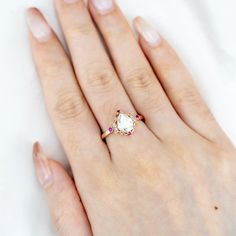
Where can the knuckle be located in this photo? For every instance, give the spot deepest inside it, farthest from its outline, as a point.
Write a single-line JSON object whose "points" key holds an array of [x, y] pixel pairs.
{"points": [[102, 81], [69, 106], [120, 31], [155, 104], [53, 67], [140, 78], [143, 80], [189, 96], [219, 154], [74, 145], [207, 114], [60, 221], [80, 29], [172, 61]]}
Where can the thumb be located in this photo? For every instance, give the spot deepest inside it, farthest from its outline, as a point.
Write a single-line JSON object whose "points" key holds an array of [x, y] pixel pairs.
{"points": [[65, 206]]}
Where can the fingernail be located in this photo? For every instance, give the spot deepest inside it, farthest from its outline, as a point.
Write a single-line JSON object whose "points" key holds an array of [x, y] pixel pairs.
{"points": [[42, 167], [147, 32], [70, 1], [38, 25], [103, 6]]}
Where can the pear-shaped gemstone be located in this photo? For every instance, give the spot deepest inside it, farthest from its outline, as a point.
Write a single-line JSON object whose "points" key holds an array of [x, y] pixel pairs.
{"points": [[125, 123]]}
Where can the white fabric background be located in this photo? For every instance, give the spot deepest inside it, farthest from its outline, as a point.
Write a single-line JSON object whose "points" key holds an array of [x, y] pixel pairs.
{"points": [[202, 31]]}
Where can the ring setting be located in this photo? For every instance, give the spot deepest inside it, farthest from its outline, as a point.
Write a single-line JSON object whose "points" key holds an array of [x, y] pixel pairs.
{"points": [[124, 124]]}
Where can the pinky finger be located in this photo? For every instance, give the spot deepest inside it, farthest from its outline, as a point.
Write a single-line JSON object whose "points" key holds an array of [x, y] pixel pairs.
{"points": [[65, 206]]}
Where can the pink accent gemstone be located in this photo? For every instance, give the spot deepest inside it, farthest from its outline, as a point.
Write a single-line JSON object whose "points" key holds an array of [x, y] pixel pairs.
{"points": [[110, 130], [137, 116], [129, 133]]}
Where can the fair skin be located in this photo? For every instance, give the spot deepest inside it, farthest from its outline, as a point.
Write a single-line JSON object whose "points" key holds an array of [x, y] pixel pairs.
{"points": [[175, 175]]}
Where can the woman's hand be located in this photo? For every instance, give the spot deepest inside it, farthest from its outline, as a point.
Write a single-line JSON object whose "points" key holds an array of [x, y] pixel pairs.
{"points": [[175, 175]]}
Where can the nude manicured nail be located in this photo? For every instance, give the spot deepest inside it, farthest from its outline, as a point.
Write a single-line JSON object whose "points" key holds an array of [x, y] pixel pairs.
{"points": [[70, 1], [147, 32], [38, 25], [103, 6], [42, 167]]}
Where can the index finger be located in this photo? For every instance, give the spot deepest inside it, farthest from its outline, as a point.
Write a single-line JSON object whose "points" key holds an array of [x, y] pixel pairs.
{"points": [[68, 108]]}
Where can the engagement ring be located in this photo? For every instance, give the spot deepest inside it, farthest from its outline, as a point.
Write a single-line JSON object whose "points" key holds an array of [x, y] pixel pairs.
{"points": [[124, 124]]}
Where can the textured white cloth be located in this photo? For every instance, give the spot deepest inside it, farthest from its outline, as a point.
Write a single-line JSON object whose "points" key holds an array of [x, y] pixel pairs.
{"points": [[202, 31]]}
